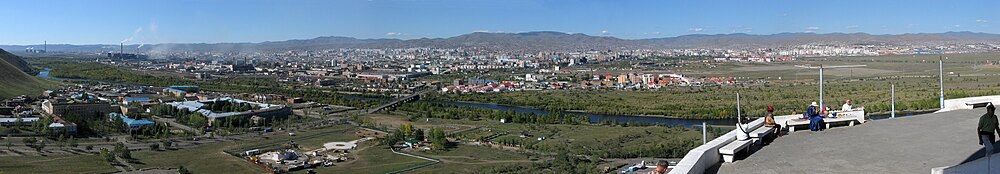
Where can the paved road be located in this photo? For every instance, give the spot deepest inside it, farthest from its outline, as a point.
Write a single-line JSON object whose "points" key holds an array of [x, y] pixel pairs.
{"points": [[174, 124], [913, 144]]}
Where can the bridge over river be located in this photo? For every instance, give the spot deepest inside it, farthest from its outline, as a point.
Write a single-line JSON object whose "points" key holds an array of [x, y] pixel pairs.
{"points": [[398, 101]]}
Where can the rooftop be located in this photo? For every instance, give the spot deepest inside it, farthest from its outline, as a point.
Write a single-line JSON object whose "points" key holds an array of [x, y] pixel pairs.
{"points": [[130, 121], [913, 144], [199, 106]]}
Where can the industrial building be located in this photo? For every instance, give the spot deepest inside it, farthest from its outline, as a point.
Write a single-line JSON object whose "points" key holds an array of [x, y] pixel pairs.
{"points": [[130, 124], [266, 111], [78, 108]]}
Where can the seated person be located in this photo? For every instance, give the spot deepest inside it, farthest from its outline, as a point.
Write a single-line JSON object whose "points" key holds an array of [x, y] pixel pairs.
{"points": [[769, 120], [847, 106]]}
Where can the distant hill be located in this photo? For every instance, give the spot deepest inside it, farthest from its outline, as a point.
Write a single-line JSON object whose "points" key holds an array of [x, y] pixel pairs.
{"points": [[555, 41], [15, 81]]}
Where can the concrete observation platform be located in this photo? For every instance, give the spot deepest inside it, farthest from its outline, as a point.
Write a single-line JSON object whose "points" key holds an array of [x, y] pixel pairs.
{"points": [[913, 144]]}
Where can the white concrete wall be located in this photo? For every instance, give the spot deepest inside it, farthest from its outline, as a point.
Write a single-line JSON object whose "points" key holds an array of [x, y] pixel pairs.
{"points": [[707, 155], [960, 103], [981, 165]]}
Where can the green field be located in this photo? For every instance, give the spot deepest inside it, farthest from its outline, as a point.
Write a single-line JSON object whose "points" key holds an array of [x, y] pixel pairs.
{"points": [[790, 88], [54, 164], [470, 159], [213, 158], [373, 159], [596, 140]]}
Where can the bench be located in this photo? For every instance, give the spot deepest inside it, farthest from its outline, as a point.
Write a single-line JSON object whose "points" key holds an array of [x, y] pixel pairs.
{"points": [[828, 121], [729, 151], [791, 124], [763, 132], [847, 116], [978, 104]]}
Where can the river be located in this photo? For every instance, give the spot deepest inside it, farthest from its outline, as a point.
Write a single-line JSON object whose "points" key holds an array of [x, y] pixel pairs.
{"points": [[45, 74]]}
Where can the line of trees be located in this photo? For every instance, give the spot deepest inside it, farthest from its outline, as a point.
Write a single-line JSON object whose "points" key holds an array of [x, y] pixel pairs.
{"points": [[447, 111]]}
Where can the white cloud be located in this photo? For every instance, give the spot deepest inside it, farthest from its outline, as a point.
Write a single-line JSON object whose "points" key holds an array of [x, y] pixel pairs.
{"points": [[393, 34], [956, 25], [811, 29], [652, 33], [481, 31], [748, 30], [699, 29], [851, 26], [982, 21], [605, 32]]}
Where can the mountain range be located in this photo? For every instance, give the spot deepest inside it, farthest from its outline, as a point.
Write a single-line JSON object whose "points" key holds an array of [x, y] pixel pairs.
{"points": [[549, 40]]}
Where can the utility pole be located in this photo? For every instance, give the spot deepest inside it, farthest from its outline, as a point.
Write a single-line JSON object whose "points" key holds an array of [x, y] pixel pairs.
{"points": [[738, 115], [941, 76], [704, 133], [893, 109], [821, 86]]}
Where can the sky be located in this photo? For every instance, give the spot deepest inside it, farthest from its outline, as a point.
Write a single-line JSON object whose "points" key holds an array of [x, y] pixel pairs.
{"points": [[214, 21]]}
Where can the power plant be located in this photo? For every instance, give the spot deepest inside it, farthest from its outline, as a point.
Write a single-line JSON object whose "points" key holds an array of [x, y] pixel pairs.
{"points": [[45, 48], [121, 55]]}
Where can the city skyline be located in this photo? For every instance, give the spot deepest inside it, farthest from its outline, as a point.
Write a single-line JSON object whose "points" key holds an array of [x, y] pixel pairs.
{"points": [[258, 21]]}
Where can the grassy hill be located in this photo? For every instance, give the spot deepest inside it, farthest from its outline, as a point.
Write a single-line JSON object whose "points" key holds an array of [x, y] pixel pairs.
{"points": [[15, 80], [17, 62]]}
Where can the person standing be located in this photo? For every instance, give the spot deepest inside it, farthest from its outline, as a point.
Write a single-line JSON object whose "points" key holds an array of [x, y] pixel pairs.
{"points": [[988, 126]]}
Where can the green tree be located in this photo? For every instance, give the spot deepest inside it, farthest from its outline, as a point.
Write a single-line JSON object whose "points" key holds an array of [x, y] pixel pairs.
{"points": [[418, 135], [438, 139], [107, 155], [29, 141], [122, 151], [154, 146], [166, 144], [182, 170], [407, 129], [8, 143], [39, 146], [73, 143]]}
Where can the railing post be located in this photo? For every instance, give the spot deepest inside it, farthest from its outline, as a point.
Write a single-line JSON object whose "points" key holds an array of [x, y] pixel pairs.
{"points": [[893, 109], [704, 133]]}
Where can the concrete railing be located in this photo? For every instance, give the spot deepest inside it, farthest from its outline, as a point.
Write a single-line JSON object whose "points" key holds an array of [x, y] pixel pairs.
{"points": [[707, 155], [981, 165], [963, 103]]}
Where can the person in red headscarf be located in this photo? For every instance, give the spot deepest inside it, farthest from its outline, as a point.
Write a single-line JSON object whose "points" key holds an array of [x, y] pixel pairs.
{"points": [[769, 121]]}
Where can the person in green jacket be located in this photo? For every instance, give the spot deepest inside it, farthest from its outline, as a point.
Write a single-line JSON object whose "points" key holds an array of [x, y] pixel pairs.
{"points": [[988, 126]]}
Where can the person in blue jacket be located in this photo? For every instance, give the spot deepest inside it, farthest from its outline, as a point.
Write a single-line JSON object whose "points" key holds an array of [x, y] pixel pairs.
{"points": [[815, 120]]}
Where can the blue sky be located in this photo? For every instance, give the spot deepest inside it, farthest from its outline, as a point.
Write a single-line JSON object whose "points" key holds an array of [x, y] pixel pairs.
{"points": [[212, 21]]}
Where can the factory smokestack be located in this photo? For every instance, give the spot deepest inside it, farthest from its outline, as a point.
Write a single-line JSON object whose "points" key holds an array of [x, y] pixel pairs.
{"points": [[45, 47]]}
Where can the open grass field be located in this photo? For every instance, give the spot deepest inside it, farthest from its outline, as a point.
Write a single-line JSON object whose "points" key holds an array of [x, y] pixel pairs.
{"points": [[790, 88], [213, 158], [602, 141], [373, 159], [54, 164], [474, 159]]}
